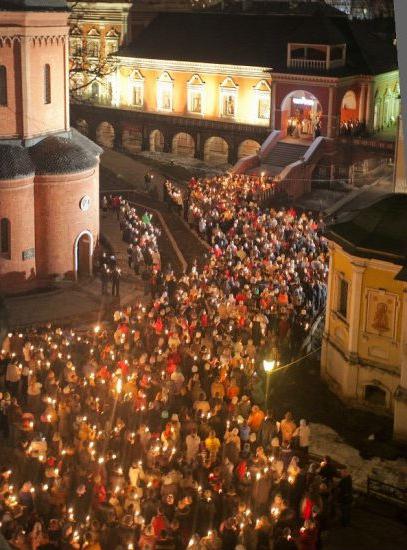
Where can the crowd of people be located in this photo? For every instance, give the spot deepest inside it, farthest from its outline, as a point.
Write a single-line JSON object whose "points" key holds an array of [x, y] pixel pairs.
{"points": [[353, 128], [152, 431]]}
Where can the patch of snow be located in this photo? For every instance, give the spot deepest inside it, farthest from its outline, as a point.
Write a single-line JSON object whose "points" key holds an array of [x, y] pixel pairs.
{"points": [[325, 441]]}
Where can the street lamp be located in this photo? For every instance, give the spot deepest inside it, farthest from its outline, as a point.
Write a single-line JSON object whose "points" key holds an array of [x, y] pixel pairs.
{"points": [[268, 366]]}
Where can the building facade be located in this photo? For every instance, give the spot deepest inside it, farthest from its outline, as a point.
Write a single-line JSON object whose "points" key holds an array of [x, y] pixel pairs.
{"points": [[400, 176], [364, 352], [49, 184], [187, 74]]}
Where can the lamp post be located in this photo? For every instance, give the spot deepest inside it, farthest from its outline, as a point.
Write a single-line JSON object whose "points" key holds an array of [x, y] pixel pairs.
{"points": [[269, 365]]}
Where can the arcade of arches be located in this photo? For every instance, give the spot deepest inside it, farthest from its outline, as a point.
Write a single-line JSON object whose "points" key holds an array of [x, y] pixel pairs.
{"points": [[183, 144], [214, 150], [105, 135]]}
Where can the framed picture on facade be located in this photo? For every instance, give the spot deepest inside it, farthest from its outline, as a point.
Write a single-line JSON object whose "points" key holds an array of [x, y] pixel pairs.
{"points": [[381, 313]]}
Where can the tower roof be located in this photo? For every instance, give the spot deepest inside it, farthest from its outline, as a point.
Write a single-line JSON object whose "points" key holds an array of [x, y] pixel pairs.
{"points": [[33, 5], [378, 231]]}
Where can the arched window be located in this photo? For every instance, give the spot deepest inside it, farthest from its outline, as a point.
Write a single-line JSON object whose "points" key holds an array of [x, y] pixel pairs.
{"points": [[5, 237], [47, 84], [3, 86], [165, 87]]}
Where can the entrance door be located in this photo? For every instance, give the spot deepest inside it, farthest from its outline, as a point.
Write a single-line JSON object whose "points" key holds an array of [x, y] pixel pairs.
{"points": [[301, 113], [84, 252]]}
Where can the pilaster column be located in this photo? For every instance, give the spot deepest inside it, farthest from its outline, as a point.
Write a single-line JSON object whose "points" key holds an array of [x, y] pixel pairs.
{"points": [[25, 86], [273, 105], [330, 289], [330, 109], [368, 106], [66, 83], [400, 397], [355, 308], [362, 103]]}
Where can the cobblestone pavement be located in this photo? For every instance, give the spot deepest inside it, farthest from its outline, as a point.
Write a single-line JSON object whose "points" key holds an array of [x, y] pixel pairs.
{"points": [[82, 302]]}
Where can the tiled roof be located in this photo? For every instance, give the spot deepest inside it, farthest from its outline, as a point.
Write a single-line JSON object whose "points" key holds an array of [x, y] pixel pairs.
{"points": [[378, 231], [261, 41], [15, 162], [33, 5], [57, 155]]}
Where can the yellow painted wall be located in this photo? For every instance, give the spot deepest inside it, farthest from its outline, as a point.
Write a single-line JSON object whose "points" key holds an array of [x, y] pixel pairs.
{"points": [[246, 102], [400, 175], [338, 328], [380, 279], [373, 278]]}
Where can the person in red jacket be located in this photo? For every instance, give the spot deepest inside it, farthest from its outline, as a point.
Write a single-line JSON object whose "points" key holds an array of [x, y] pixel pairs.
{"points": [[159, 523]]}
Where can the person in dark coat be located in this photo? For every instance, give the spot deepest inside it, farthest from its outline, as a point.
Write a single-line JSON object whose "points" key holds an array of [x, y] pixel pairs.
{"points": [[116, 282], [345, 497]]}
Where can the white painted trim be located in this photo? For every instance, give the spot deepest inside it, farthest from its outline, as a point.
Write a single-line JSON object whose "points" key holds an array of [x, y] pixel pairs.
{"points": [[194, 67], [75, 251]]}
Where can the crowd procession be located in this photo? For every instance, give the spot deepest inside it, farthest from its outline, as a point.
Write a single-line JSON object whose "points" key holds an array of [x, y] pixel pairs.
{"points": [[152, 431]]}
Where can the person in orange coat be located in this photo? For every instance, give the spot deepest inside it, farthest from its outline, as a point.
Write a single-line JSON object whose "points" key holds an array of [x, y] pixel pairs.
{"points": [[256, 418], [287, 427]]}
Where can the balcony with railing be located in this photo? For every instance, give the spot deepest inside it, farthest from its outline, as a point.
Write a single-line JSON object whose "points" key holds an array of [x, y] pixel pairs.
{"points": [[315, 63], [318, 57]]}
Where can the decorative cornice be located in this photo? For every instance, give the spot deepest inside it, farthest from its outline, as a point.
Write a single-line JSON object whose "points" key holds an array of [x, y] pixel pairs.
{"points": [[301, 78], [37, 40], [194, 67]]}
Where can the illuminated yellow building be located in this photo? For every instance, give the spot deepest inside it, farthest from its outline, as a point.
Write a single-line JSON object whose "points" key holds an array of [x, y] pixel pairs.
{"points": [[400, 176], [239, 94], [364, 353]]}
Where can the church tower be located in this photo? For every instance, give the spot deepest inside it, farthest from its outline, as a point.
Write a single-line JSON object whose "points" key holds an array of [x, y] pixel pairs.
{"points": [[49, 182]]}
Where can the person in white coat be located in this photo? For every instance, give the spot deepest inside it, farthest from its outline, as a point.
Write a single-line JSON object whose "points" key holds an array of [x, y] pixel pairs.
{"points": [[303, 432], [193, 442]]}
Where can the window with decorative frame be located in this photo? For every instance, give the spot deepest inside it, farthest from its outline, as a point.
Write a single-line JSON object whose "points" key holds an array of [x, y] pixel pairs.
{"points": [[112, 41], [76, 42], [165, 88], [342, 296], [228, 98], [136, 89], [93, 43], [196, 95], [262, 98]]}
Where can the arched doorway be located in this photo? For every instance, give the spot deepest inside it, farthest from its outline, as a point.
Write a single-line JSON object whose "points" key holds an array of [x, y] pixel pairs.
{"points": [[82, 126], [247, 148], [156, 141], [83, 250], [349, 107], [183, 144], [216, 151], [301, 113], [132, 140], [105, 135]]}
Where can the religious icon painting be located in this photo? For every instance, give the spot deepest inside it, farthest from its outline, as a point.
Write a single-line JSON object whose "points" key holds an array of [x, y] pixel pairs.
{"points": [[381, 313]]}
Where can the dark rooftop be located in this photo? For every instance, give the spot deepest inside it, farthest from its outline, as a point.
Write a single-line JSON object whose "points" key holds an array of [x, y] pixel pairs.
{"points": [[15, 162], [57, 155], [378, 231], [260, 40], [33, 5]]}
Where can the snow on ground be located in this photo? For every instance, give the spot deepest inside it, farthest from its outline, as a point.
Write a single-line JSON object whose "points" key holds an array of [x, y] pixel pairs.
{"points": [[326, 441], [196, 166]]}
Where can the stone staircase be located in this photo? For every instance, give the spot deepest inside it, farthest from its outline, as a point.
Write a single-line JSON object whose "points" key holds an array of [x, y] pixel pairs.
{"points": [[282, 155]]}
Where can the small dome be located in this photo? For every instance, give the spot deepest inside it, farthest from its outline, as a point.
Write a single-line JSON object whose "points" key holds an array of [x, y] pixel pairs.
{"points": [[57, 155], [15, 162]]}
